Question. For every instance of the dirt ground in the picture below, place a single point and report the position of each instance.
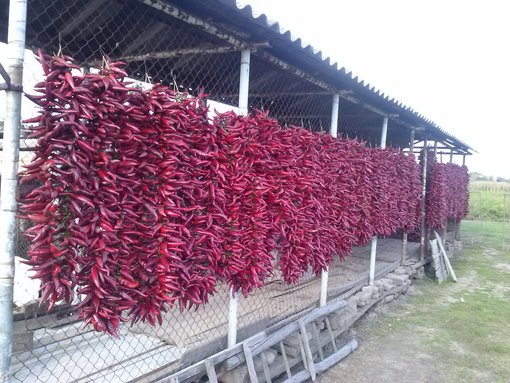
(384, 354)
(453, 332)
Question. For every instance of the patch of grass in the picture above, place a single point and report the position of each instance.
(489, 204)
(489, 233)
(464, 325)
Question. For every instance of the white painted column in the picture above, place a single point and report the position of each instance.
(10, 157)
(373, 252)
(373, 246)
(232, 319)
(334, 132)
(384, 132)
(244, 83)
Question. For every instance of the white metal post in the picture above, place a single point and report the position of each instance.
(384, 132)
(10, 159)
(244, 83)
(334, 132)
(232, 319)
(373, 252)
(373, 247)
(334, 115)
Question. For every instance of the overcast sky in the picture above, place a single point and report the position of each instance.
(449, 60)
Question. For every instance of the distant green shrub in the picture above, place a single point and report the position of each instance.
(489, 186)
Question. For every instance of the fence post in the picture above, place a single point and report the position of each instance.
(334, 132)
(244, 83)
(373, 248)
(10, 159)
(423, 202)
(404, 235)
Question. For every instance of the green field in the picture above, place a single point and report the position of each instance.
(489, 205)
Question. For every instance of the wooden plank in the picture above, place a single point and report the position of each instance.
(439, 265)
(445, 256)
(330, 333)
(306, 345)
(285, 360)
(74, 22)
(303, 353)
(249, 363)
(211, 371)
(324, 365)
(265, 368)
(315, 335)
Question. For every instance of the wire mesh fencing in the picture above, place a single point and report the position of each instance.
(52, 345)
(488, 222)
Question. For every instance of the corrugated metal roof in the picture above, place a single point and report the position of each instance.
(391, 105)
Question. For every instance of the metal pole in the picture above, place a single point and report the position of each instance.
(384, 132)
(451, 156)
(373, 248)
(373, 251)
(423, 203)
(463, 160)
(232, 319)
(334, 132)
(10, 159)
(334, 115)
(244, 83)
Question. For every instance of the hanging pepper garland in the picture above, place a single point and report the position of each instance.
(447, 197)
(144, 203)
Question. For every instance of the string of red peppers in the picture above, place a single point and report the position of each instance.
(146, 203)
(447, 196)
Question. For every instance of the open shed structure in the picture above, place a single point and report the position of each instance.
(241, 61)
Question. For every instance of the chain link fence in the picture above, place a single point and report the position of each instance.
(488, 223)
(51, 345)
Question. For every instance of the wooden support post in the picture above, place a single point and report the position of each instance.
(423, 239)
(404, 236)
(404, 248)
(446, 260)
(411, 140)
